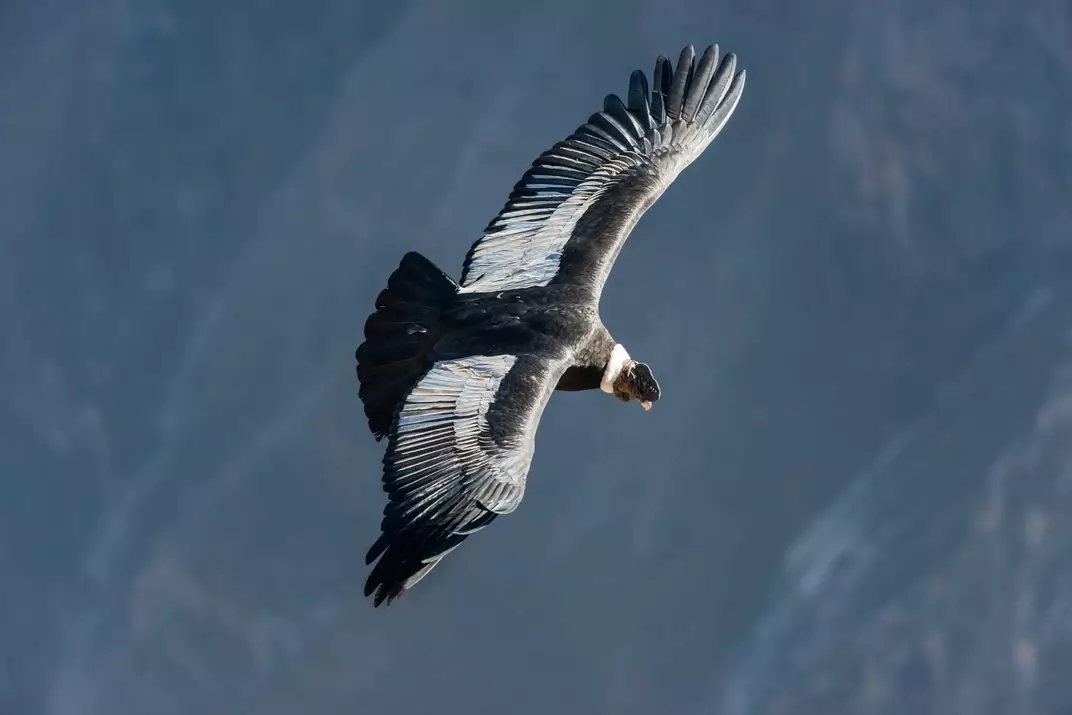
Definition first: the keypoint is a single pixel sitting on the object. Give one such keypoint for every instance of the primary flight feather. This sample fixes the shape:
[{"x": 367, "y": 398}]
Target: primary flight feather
[{"x": 456, "y": 375}]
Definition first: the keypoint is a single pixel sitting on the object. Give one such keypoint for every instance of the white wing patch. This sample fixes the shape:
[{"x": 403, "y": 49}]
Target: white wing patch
[
  {"x": 457, "y": 457},
  {"x": 443, "y": 455},
  {"x": 522, "y": 247},
  {"x": 644, "y": 145}
]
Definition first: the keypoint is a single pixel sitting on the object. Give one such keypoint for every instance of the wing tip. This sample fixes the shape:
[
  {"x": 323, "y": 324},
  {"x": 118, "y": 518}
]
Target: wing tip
[
  {"x": 376, "y": 550},
  {"x": 679, "y": 85},
  {"x": 713, "y": 92},
  {"x": 389, "y": 576},
  {"x": 383, "y": 593},
  {"x": 404, "y": 560}
]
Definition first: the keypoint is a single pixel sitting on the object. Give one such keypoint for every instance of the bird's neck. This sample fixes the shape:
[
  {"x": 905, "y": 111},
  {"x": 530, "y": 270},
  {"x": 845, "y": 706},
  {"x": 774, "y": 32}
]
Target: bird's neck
[{"x": 616, "y": 362}]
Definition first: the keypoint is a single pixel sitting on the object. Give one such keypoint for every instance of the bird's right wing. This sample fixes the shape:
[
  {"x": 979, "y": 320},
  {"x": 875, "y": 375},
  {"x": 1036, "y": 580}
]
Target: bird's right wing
[
  {"x": 570, "y": 214},
  {"x": 457, "y": 457}
]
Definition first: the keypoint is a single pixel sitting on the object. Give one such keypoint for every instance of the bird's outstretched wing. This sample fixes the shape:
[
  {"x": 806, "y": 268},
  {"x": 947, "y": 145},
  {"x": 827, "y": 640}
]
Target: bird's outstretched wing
[
  {"x": 571, "y": 212},
  {"x": 457, "y": 457}
]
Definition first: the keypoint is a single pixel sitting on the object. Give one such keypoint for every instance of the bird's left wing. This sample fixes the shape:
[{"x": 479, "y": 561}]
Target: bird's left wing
[
  {"x": 571, "y": 212},
  {"x": 457, "y": 457}
]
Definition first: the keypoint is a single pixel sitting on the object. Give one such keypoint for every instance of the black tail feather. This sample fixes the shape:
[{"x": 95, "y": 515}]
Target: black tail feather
[{"x": 399, "y": 337}]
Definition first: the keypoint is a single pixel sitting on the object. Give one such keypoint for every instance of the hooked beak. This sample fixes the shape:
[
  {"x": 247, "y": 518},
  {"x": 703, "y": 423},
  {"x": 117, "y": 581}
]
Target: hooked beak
[{"x": 646, "y": 405}]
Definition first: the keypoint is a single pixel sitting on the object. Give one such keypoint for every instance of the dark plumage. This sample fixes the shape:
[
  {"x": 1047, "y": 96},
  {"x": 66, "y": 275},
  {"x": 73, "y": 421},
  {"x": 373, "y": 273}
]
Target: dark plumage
[{"x": 456, "y": 375}]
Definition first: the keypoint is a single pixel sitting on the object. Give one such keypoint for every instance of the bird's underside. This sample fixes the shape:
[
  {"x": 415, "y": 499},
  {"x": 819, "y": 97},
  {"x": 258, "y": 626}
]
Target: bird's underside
[{"x": 456, "y": 374}]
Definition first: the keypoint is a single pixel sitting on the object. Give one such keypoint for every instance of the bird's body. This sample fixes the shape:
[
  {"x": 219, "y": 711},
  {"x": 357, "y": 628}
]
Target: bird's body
[{"x": 456, "y": 375}]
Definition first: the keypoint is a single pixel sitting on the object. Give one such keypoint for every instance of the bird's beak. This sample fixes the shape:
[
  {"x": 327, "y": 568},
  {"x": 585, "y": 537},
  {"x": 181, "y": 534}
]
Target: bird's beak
[{"x": 646, "y": 405}]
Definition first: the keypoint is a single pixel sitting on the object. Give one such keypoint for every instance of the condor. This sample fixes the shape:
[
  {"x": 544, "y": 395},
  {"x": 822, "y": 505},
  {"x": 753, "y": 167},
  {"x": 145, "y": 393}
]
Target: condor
[{"x": 456, "y": 375}]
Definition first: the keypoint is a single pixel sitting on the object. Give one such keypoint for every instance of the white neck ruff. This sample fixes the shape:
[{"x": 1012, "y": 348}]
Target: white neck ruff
[{"x": 618, "y": 358}]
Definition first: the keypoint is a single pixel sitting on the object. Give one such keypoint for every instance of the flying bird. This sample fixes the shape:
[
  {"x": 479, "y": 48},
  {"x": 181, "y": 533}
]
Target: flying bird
[{"x": 457, "y": 374}]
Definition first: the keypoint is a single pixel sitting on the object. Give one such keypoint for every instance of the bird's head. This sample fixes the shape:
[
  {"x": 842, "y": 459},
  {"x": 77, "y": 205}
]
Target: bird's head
[
  {"x": 629, "y": 380},
  {"x": 637, "y": 383}
]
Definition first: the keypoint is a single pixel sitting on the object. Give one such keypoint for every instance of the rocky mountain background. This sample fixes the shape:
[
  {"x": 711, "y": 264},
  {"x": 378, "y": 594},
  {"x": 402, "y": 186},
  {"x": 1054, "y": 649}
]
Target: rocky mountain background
[{"x": 855, "y": 496}]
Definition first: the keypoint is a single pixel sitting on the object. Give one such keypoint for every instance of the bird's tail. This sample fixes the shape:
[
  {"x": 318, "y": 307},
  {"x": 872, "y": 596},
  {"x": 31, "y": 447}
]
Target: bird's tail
[{"x": 399, "y": 337}]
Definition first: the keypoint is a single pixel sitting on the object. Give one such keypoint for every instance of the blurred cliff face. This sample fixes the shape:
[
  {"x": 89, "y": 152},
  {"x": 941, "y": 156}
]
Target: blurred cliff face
[{"x": 855, "y": 497}]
